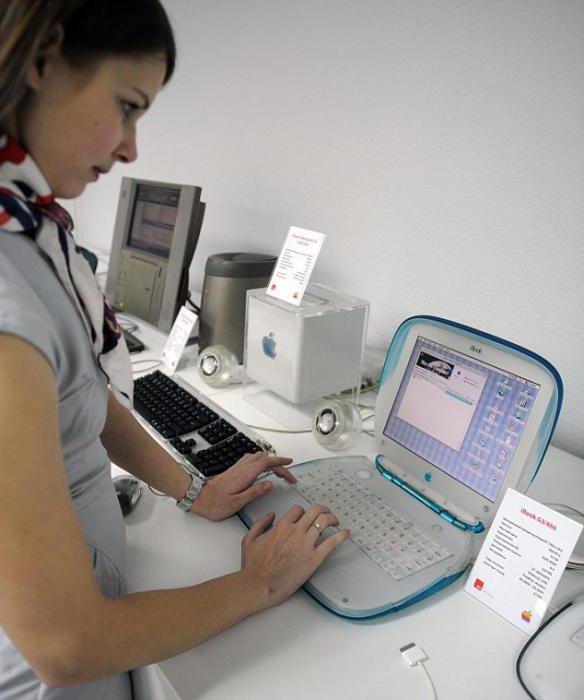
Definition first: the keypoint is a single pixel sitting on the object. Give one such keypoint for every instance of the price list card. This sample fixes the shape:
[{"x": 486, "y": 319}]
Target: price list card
[
  {"x": 522, "y": 559},
  {"x": 295, "y": 263}
]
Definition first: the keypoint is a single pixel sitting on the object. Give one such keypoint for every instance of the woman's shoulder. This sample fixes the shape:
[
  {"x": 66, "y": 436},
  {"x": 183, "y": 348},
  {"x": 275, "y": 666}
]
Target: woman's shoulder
[
  {"x": 25, "y": 288},
  {"x": 19, "y": 265},
  {"x": 36, "y": 307},
  {"x": 18, "y": 252},
  {"x": 26, "y": 270}
]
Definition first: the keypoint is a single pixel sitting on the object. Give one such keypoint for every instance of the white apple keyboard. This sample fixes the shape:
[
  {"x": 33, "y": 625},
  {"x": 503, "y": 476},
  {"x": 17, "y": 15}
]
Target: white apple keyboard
[{"x": 389, "y": 538}]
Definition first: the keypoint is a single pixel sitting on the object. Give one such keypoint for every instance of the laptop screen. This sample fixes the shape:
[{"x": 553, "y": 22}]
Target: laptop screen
[{"x": 462, "y": 415}]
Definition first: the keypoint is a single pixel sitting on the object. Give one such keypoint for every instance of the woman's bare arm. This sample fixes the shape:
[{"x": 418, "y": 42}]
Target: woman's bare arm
[
  {"x": 130, "y": 447},
  {"x": 50, "y": 605},
  {"x": 133, "y": 449}
]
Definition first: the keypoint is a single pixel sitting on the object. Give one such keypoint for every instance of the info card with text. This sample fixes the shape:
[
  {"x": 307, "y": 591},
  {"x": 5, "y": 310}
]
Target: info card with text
[
  {"x": 178, "y": 338},
  {"x": 522, "y": 559},
  {"x": 295, "y": 263}
]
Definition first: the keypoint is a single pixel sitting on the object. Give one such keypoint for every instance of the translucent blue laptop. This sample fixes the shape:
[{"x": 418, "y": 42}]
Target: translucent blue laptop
[{"x": 461, "y": 416}]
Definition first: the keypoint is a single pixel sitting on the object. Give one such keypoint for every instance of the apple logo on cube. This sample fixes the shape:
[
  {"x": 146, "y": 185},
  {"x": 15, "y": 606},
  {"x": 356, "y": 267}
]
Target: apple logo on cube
[{"x": 269, "y": 345}]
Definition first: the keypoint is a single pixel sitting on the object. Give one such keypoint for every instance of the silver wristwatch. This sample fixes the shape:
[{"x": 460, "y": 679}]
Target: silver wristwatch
[{"x": 197, "y": 483}]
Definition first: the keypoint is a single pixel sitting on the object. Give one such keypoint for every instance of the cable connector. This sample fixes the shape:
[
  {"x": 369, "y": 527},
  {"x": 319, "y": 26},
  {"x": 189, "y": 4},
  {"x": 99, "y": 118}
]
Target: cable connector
[{"x": 413, "y": 654}]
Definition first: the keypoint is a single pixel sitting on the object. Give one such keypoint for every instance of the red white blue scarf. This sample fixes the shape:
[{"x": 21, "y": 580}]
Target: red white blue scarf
[{"x": 27, "y": 206}]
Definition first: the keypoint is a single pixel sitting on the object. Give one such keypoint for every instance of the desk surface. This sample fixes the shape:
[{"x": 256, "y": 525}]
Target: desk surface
[{"x": 298, "y": 649}]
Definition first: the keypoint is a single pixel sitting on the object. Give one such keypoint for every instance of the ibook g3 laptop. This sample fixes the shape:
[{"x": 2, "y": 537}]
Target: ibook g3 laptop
[{"x": 460, "y": 416}]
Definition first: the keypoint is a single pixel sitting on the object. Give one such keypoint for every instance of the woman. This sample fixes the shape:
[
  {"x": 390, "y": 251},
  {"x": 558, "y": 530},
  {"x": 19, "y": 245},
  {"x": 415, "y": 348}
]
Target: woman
[{"x": 75, "y": 76}]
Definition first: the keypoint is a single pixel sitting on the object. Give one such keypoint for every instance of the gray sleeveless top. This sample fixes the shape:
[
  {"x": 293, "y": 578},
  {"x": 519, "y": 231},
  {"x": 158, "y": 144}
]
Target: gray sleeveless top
[{"x": 35, "y": 307}]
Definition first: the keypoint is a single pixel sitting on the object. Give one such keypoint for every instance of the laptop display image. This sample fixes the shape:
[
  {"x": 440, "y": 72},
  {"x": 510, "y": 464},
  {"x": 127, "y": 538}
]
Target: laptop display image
[{"x": 460, "y": 417}]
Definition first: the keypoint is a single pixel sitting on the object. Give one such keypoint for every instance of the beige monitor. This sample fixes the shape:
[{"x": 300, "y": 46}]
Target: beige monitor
[{"x": 156, "y": 231}]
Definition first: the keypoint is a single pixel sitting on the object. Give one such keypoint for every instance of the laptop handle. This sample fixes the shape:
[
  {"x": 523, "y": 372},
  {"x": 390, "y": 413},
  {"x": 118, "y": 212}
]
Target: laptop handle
[{"x": 443, "y": 513}]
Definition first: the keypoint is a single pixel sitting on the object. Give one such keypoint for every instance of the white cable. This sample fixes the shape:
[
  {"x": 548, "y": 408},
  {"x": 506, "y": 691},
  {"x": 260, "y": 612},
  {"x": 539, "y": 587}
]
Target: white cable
[
  {"x": 415, "y": 656},
  {"x": 429, "y": 682},
  {"x": 127, "y": 323},
  {"x": 277, "y": 430},
  {"x": 136, "y": 370},
  {"x": 566, "y": 507}
]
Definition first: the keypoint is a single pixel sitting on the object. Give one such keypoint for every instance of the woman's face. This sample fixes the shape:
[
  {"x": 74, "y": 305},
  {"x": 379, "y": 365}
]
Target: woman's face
[{"x": 77, "y": 122}]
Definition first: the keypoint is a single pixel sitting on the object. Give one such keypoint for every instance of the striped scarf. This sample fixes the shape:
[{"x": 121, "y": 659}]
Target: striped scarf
[{"x": 27, "y": 206}]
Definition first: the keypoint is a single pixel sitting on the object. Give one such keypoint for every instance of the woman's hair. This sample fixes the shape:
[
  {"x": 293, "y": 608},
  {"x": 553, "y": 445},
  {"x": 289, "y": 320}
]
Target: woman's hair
[{"x": 92, "y": 30}]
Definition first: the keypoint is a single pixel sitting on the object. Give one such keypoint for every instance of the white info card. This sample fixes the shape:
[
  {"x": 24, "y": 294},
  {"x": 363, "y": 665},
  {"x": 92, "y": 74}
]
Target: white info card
[
  {"x": 295, "y": 263},
  {"x": 177, "y": 338},
  {"x": 522, "y": 559}
]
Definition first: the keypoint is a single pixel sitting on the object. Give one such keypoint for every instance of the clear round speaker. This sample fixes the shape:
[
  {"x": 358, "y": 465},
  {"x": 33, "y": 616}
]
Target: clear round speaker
[
  {"x": 218, "y": 366},
  {"x": 336, "y": 424}
]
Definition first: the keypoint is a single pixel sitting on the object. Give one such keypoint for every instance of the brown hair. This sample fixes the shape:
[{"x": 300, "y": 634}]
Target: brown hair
[{"x": 92, "y": 29}]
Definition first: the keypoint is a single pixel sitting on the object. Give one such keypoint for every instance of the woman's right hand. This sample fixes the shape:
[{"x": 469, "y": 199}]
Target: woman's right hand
[{"x": 281, "y": 558}]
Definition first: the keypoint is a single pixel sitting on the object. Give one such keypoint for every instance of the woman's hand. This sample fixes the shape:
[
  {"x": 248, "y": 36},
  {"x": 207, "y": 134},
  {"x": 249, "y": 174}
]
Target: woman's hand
[
  {"x": 229, "y": 492},
  {"x": 280, "y": 559}
]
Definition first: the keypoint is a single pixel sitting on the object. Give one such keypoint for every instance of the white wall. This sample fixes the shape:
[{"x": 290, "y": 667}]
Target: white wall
[{"x": 438, "y": 143}]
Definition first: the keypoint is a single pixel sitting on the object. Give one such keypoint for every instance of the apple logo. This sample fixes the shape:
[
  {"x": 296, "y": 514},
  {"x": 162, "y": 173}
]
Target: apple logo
[{"x": 269, "y": 345}]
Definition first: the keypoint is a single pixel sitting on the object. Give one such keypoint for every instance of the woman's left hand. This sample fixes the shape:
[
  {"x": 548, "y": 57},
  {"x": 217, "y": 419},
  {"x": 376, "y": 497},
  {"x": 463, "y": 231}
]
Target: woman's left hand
[{"x": 229, "y": 492}]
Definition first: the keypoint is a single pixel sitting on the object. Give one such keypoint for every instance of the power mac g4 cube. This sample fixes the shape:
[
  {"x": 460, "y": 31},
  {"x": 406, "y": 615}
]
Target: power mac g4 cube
[{"x": 302, "y": 353}]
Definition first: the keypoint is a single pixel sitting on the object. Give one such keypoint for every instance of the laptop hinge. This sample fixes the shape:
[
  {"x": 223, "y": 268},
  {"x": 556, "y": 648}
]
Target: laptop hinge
[{"x": 428, "y": 502}]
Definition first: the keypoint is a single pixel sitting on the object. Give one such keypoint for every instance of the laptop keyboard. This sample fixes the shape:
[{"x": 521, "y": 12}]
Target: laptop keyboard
[
  {"x": 391, "y": 540},
  {"x": 207, "y": 441}
]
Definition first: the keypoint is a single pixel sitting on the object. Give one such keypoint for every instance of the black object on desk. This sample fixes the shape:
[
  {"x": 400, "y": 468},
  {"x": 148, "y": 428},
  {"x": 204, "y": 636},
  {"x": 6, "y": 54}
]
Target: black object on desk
[
  {"x": 128, "y": 490},
  {"x": 133, "y": 342}
]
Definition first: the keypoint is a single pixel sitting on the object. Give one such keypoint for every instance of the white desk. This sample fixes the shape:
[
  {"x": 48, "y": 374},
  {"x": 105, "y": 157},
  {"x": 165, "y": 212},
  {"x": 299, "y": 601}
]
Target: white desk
[{"x": 298, "y": 650}]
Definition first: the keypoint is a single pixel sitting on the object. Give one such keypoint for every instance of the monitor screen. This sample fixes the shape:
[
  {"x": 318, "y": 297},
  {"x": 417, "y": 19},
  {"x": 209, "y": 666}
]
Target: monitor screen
[
  {"x": 153, "y": 219},
  {"x": 462, "y": 415}
]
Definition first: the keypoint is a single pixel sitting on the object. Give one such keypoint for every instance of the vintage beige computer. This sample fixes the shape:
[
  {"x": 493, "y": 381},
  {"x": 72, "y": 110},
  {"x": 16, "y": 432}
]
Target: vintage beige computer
[{"x": 156, "y": 231}]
